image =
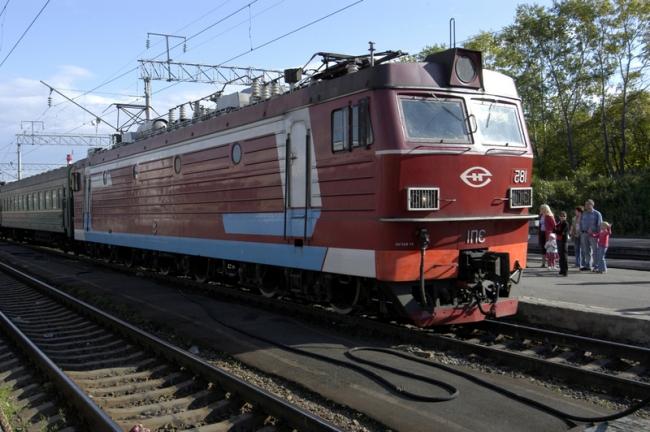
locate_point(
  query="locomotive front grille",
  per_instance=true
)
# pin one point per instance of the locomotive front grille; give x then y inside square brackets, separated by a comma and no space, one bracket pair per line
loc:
[423,199]
[521,198]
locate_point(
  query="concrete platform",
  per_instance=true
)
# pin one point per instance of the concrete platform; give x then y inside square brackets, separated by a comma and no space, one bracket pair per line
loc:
[196,319]
[615,305]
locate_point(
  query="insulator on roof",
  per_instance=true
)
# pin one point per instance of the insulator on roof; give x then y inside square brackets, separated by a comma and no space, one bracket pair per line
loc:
[352,67]
[275,88]
[171,116]
[266,91]
[183,117]
[255,89]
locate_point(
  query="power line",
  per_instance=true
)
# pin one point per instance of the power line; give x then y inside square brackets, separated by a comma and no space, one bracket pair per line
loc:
[294,31]
[277,38]
[175,46]
[239,55]
[4,8]
[217,22]
[274,5]
[25,32]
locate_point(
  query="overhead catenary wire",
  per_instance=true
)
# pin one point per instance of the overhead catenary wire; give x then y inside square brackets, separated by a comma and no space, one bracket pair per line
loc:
[265,44]
[269,42]
[25,32]
[4,8]
[294,30]
[111,80]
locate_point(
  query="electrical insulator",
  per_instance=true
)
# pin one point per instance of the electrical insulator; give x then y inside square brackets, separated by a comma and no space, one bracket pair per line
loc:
[184,47]
[49,101]
[256,89]
[148,43]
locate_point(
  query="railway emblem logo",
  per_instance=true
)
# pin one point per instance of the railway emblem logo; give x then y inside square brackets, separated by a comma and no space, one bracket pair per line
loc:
[476,177]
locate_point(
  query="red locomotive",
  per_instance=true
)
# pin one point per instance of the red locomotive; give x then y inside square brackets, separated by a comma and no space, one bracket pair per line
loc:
[402,188]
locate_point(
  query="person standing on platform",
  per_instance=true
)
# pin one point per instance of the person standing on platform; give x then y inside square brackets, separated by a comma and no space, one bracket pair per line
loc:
[574,233]
[602,237]
[562,233]
[589,224]
[551,252]
[546,227]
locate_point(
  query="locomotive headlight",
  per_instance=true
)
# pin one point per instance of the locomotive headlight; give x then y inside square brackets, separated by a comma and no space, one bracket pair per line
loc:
[465,69]
[423,198]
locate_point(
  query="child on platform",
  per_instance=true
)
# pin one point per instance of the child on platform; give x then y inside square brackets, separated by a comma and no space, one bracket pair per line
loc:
[603,243]
[551,251]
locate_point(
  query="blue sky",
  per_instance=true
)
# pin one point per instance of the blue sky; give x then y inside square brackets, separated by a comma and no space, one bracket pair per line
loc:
[76,45]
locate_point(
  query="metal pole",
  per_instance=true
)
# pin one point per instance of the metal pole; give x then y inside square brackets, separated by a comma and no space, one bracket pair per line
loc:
[147,99]
[20,162]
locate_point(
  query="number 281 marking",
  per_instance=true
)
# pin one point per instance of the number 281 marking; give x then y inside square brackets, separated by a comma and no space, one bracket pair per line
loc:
[520,176]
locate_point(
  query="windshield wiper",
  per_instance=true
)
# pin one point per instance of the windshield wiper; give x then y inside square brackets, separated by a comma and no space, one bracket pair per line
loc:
[507,151]
[458,150]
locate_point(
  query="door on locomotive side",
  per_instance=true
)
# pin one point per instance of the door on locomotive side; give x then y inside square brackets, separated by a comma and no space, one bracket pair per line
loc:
[298,179]
[86,201]
[297,154]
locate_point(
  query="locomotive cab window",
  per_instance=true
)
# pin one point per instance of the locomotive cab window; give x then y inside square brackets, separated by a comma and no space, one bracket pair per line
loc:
[351,127]
[435,119]
[498,124]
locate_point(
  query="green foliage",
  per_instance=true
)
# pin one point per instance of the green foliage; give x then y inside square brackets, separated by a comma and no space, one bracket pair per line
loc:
[581,68]
[623,201]
[9,408]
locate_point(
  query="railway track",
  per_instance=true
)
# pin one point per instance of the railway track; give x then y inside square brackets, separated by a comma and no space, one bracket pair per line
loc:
[27,402]
[135,378]
[594,364]
[611,366]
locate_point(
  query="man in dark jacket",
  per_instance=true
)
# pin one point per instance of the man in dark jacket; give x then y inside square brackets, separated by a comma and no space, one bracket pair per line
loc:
[589,223]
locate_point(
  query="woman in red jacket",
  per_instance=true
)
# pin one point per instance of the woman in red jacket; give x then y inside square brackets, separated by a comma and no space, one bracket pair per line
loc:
[546,227]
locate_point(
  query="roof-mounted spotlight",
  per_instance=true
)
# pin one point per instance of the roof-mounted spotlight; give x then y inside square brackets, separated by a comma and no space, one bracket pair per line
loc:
[462,67]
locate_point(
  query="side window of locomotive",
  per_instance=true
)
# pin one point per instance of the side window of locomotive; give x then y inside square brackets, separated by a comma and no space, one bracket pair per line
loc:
[438,120]
[498,124]
[339,129]
[357,128]
[351,127]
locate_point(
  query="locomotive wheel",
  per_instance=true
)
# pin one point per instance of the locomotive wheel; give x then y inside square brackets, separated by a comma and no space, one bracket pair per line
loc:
[184,266]
[130,258]
[269,285]
[344,295]
[164,265]
[268,291]
[113,254]
[202,269]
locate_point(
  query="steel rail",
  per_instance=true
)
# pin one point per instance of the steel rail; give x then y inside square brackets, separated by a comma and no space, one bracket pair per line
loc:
[94,416]
[633,352]
[270,404]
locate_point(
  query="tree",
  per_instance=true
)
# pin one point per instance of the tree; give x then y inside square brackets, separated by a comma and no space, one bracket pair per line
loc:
[631,39]
[603,50]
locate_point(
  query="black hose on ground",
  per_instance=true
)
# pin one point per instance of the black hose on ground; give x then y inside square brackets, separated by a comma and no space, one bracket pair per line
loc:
[451,390]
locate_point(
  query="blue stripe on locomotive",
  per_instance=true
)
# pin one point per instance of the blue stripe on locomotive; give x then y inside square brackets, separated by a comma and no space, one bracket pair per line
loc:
[285,255]
[271,223]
